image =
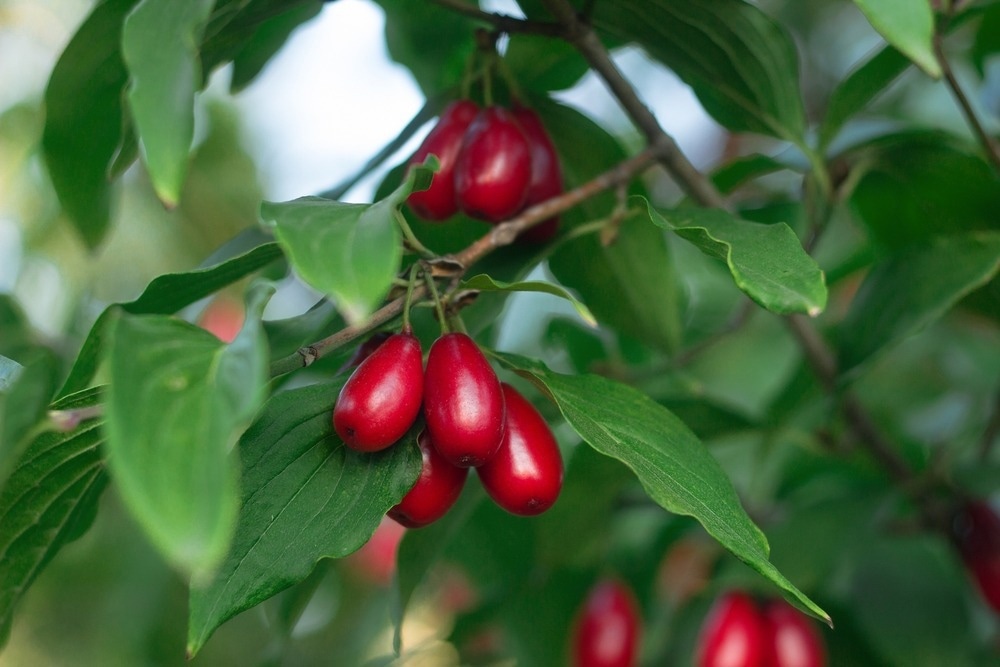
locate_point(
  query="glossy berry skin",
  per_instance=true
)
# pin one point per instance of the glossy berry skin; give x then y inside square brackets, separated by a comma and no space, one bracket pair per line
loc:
[975,531]
[526,474]
[436,490]
[381,400]
[733,634]
[792,640]
[493,168]
[463,402]
[546,173]
[444,141]
[608,628]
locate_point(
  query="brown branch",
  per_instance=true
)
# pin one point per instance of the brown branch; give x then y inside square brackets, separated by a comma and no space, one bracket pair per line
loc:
[586,41]
[503,22]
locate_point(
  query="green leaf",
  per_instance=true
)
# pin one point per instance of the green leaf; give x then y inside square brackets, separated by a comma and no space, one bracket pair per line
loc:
[542,63]
[8,372]
[908,25]
[767,262]
[733,174]
[908,291]
[741,64]
[672,465]
[83,118]
[178,401]
[484,283]
[23,406]
[306,496]
[48,501]
[267,40]
[987,42]
[166,294]
[160,46]
[350,252]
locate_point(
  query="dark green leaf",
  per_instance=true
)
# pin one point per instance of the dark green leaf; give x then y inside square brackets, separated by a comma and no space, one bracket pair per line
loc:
[484,283]
[351,252]
[83,118]
[740,63]
[863,85]
[287,335]
[675,469]
[179,398]
[23,406]
[266,41]
[17,340]
[543,63]
[987,42]
[160,46]
[766,261]
[733,174]
[907,25]
[305,497]
[167,294]
[908,291]
[49,500]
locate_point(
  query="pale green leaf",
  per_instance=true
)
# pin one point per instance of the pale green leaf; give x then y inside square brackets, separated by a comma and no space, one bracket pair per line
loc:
[908,25]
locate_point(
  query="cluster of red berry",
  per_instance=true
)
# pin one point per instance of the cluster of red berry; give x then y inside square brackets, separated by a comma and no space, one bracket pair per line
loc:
[472,420]
[495,162]
[739,633]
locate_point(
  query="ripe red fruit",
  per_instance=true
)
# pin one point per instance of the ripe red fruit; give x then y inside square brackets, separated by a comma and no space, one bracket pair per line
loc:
[381,399]
[733,634]
[526,474]
[607,629]
[463,402]
[546,174]
[493,168]
[444,141]
[434,492]
[975,531]
[792,640]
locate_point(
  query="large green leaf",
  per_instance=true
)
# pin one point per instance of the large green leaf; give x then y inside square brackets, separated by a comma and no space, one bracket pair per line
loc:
[908,291]
[740,63]
[160,46]
[179,398]
[672,465]
[630,285]
[306,496]
[83,118]
[351,252]
[542,63]
[908,25]
[266,40]
[766,261]
[166,294]
[49,500]
[23,405]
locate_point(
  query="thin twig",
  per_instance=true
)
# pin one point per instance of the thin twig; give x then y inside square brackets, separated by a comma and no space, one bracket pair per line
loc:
[503,22]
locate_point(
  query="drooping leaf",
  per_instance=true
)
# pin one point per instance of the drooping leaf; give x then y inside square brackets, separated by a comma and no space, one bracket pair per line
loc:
[166,294]
[908,25]
[908,291]
[48,501]
[740,63]
[23,406]
[160,46]
[266,41]
[305,497]
[860,87]
[767,262]
[350,252]
[484,283]
[178,400]
[83,118]
[672,465]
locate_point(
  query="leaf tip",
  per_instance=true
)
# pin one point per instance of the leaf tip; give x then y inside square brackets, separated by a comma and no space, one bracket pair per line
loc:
[814,311]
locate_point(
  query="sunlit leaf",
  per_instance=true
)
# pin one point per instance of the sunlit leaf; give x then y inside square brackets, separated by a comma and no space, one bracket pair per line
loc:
[908,25]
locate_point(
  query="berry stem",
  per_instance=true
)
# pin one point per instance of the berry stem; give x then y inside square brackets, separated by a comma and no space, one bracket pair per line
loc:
[429,281]
[409,238]
[409,298]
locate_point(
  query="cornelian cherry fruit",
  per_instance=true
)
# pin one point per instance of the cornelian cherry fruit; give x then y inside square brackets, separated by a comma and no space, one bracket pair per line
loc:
[733,634]
[792,640]
[975,531]
[381,399]
[608,628]
[493,167]
[435,491]
[444,141]
[463,402]
[546,173]
[526,474]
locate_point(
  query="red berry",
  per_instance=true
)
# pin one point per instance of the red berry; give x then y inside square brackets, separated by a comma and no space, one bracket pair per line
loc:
[792,640]
[435,491]
[607,630]
[493,168]
[381,399]
[526,474]
[733,634]
[444,141]
[975,531]
[546,174]
[463,402]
